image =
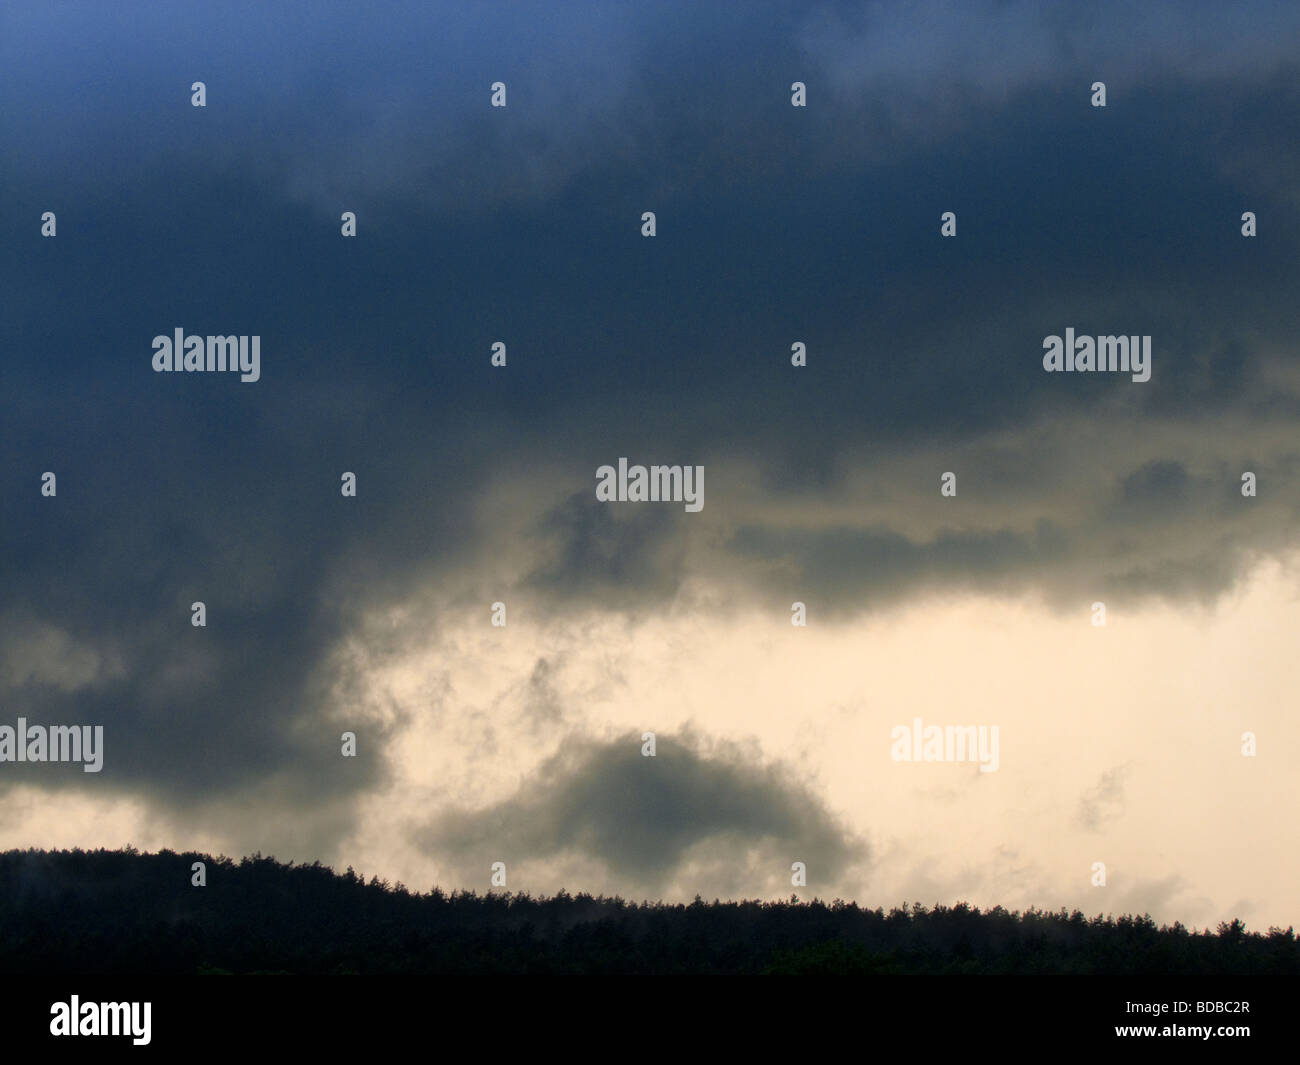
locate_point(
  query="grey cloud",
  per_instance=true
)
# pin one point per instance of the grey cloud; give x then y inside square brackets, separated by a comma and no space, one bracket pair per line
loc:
[1162,484]
[775,225]
[645,819]
[627,556]
[853,569]
[1160,896]
[935,48]
[543,707]
[1104,801]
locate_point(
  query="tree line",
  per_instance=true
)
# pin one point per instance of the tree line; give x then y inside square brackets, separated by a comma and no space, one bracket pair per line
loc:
[121,911]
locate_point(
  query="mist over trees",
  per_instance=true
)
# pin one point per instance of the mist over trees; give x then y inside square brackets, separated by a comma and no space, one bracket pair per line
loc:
[122,911]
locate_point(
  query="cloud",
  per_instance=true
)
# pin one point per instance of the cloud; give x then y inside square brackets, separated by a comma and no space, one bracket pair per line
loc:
[476,484]
[937,50]
[542,705]
[600,555]
[713,816]
[1164,894]
[1161,485]
[1104,801]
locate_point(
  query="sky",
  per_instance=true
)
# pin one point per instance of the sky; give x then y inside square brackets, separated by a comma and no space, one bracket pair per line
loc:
[372,614]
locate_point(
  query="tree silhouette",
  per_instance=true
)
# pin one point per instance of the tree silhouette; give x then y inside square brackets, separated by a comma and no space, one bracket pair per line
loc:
[122,911]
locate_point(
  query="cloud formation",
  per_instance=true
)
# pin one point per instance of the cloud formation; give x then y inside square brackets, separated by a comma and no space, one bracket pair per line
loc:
[712,813]
[777,225]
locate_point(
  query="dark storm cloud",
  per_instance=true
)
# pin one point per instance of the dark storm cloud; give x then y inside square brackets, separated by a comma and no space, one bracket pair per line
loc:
[775,225]
[1163,483]
[602,557]
[641,817]
[1129,550]
[866,566]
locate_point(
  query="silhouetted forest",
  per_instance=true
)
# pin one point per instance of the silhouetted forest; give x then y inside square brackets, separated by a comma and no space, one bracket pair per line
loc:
[123,911]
